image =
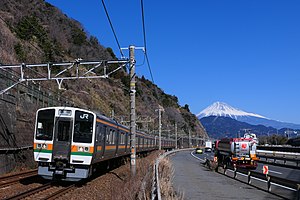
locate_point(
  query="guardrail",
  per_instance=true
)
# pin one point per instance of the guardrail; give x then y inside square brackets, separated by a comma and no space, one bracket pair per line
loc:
[155,194]
[281,182]
[279,148]
[279,155]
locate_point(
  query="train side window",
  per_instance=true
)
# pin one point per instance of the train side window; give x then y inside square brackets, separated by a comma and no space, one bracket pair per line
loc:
[100,133]
[122,138]
[107,137]
[103,133]
[112,136]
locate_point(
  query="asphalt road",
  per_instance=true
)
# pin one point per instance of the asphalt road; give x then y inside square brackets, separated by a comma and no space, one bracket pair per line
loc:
[197,182]
[279,171]
[283,172]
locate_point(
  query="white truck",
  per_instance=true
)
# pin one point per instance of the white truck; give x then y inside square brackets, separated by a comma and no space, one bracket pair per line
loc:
[208,146]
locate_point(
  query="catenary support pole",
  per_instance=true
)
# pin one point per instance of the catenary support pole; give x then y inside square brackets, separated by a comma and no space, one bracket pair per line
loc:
[159,126]
[175,135]
[132,111]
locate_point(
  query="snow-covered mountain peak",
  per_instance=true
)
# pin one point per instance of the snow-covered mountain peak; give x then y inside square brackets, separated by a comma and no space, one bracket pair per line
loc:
[225,110]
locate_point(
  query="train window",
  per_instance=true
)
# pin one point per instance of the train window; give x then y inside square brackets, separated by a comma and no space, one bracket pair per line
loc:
[111,139]
[63,132]
[101,133]
[45,123]
[122,138]
[107,137]
[83,128]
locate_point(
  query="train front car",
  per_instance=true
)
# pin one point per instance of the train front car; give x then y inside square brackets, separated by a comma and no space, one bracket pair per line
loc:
[64,142]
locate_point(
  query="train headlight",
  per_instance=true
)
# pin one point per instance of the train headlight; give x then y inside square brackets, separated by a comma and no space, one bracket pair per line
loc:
[80,149]
[39,146]
[44,146]
[86,149]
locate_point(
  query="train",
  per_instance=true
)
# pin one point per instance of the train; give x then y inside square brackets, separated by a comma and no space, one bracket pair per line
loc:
[237,152]
[70,142]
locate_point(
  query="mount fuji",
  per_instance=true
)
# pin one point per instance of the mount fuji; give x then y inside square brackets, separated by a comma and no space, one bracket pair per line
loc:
[220,109]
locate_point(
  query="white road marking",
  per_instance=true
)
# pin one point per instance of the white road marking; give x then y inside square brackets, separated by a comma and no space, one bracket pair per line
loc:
[275,172]
[196,156]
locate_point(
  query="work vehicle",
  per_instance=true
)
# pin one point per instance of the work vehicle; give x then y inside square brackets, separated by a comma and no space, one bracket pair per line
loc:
[70,142]
[208,146]
[237,152]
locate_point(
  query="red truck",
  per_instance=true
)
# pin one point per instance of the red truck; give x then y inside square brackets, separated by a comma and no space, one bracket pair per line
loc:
[237,152]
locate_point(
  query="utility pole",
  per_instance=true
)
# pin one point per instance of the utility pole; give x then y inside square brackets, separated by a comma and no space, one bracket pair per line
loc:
[175,135]
[189,138]
[182,139]
[160,109]
[132,110]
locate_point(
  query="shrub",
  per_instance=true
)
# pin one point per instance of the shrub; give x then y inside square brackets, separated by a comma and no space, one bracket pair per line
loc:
[21,54]
[78,36]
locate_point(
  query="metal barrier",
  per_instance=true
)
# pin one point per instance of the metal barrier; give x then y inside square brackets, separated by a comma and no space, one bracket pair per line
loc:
[279,148]
[155,194]
[281,182]
[279,155]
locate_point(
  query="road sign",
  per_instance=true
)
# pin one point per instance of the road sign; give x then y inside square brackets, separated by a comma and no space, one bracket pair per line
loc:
[265,169]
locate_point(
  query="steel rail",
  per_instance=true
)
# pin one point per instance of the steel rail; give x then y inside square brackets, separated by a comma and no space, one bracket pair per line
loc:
[8,180]
[30,192]
[60,192]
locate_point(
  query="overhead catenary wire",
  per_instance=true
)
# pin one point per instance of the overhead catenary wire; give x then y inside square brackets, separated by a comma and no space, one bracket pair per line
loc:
[112,28]
[143,21]
[145,43]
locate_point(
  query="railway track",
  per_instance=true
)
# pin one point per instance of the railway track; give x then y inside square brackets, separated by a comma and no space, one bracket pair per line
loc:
[15,178]
[47,191]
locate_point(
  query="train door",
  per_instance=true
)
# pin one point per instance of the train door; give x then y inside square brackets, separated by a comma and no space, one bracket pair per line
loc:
[62,139]
[117,139]
[101,139]
[127,148]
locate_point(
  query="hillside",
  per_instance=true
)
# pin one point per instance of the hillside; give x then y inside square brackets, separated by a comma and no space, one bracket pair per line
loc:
[37,32]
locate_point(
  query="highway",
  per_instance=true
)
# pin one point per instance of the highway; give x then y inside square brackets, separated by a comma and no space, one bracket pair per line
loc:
[198,182]
[282,172]
[279,171]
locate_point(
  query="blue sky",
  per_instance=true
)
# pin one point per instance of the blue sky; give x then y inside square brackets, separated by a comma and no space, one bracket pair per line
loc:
[242,52]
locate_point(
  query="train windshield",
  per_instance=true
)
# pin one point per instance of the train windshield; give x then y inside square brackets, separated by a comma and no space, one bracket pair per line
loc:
[44,126]
[83,127]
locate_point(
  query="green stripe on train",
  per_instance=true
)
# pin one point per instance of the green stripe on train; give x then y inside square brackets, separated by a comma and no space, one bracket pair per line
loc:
[42,151]
[81,154]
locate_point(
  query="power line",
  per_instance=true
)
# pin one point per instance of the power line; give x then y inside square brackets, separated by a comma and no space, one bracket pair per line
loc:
[143,20]
[145,44]
[112,28]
